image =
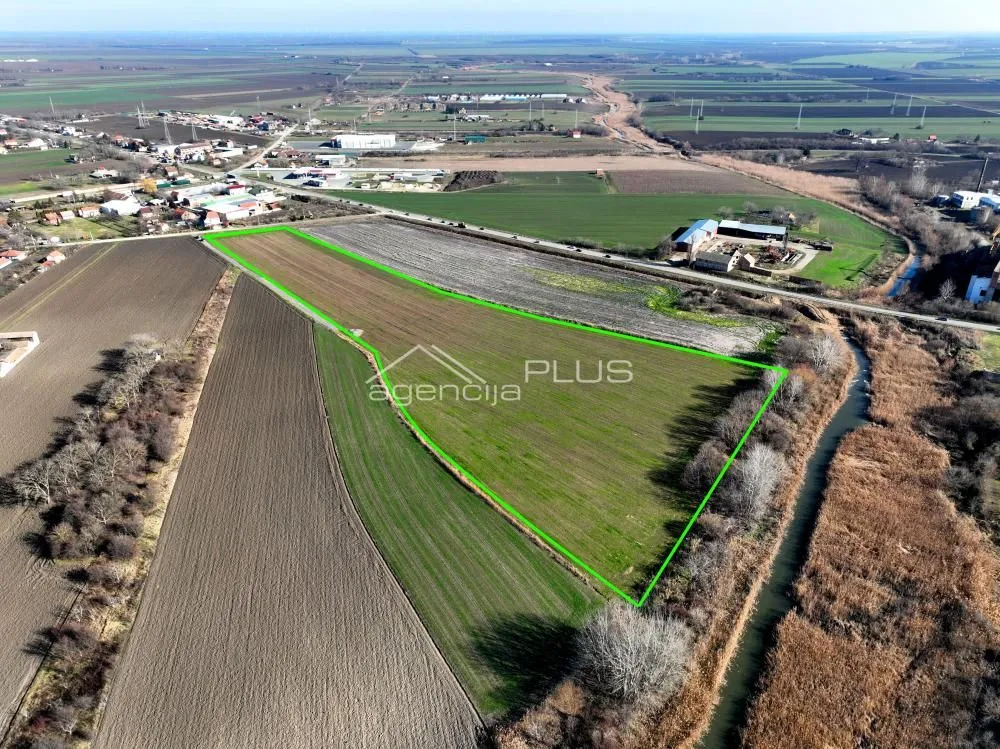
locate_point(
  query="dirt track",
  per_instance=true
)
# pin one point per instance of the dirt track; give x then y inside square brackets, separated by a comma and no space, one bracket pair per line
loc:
[90,303]
[269,620]
[512,276]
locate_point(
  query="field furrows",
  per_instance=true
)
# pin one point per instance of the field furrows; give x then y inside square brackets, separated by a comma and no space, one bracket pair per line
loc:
[292,627]
[512,276]
[90,304]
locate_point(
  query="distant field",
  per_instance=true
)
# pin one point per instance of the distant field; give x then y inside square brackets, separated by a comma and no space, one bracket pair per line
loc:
[594,466]
[17,167]
[478,584]
[579,213]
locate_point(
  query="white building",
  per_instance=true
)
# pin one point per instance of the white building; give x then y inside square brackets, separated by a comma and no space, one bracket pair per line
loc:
[365,141]
[966,199]
[129,207]
[980,289]
[36,144]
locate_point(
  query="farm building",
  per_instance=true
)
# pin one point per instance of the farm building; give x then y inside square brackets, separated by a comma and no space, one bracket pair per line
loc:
[56,256]
[475,139]
[365,141]
[967,199]
[751,231]
[67,215]
[14,347]
[337,159]
[696,235]
[13,255]
[717,261]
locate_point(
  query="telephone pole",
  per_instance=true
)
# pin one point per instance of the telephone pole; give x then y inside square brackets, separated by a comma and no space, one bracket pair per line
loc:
[798,122]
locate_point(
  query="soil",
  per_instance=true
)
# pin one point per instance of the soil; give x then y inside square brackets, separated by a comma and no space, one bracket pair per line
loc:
[711,182]
[267,602]
[543,163]
[511,276]
[87,305]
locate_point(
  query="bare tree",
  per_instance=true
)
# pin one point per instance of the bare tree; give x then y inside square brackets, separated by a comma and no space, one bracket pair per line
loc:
[36,483]
[755,477]
[947,291]
[627,654]
[824,353]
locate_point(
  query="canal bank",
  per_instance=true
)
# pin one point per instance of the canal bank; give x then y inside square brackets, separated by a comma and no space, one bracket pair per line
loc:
[775,598]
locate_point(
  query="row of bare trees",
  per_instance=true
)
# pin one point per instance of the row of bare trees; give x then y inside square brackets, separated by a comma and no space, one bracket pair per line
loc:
[91,496]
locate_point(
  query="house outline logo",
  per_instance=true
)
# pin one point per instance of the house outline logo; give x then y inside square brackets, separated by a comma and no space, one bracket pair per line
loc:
[440,356]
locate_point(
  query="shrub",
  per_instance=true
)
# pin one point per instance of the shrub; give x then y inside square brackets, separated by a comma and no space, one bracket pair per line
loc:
[626,654]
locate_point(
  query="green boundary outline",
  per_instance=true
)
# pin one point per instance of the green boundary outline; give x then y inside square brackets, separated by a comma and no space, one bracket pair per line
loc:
[215,240]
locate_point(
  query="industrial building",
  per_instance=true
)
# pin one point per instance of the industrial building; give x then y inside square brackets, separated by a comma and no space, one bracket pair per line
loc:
[752,231]
[967,199]
[365,141]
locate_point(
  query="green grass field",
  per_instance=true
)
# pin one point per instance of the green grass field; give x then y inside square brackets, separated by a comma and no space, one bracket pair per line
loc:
[483,590]
[594,465]
[908,127]
[576,207]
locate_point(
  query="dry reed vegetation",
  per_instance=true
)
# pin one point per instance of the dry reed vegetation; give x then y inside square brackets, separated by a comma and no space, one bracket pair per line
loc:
[712,586]
[896,631]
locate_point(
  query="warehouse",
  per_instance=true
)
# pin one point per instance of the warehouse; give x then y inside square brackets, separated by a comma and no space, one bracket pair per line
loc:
[365,141]
[696,235]
[751,231]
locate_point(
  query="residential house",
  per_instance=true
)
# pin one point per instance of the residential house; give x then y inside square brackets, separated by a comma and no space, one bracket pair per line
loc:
[211,219]
[36,144]
[171,172]
[52,219]
[67,215]
[4,262]
[102,173]
[236,189]
[717,261]
[90,210]
[14,255]
[56,256]
[185,214]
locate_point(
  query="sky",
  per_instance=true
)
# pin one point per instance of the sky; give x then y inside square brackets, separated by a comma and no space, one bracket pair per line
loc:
[496,16]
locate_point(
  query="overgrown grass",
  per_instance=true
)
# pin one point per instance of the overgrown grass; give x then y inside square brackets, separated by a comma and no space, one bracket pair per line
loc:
[473,578]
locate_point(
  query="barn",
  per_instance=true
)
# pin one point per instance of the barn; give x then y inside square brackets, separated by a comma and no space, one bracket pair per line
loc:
[751,231]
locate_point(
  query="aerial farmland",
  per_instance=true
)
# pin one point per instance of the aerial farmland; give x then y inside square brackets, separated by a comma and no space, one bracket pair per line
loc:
[159,288]
[557,469]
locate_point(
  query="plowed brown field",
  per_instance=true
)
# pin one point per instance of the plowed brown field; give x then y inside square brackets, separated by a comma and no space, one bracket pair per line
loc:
[269,619]
[91,303]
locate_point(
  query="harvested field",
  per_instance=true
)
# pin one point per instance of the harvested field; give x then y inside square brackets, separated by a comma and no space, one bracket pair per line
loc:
[516,277]
[714,181]
[267,602]
[595,464]
[89,304]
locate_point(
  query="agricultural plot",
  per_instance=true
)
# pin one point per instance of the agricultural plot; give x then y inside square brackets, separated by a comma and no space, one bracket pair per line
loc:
[716,181]
[266,602]
[499,608]
[90,304]
[545,284]
[636,223]
[589,465]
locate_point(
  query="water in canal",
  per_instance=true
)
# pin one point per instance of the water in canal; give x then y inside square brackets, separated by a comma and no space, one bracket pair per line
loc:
[775,598]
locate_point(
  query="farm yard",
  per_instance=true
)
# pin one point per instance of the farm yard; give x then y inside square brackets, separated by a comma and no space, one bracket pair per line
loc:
[497,606]
[604,485]
[578,209]
[548,285]
[157,287]
[291,626]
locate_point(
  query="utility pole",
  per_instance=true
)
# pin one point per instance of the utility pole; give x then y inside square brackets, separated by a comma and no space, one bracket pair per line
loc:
[576,119]
[867,91]
[194,134]
[922,116]
[798,122]
[52,107]
[166,133]
[892,109]
[691,112]
[910,104]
